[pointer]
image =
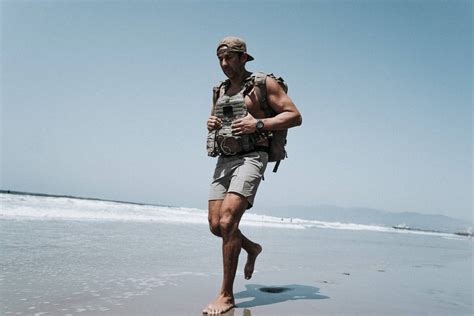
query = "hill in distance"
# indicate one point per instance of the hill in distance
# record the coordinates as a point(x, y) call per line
point(368, 216)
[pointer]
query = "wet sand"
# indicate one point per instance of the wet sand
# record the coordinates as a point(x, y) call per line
point(122, 268)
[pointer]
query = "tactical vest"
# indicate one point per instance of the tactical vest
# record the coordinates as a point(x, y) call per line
point(229, 109)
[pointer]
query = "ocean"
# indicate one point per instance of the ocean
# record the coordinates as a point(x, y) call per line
point(68, 256)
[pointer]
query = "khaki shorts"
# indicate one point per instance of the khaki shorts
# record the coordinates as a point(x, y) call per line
point(239, 174)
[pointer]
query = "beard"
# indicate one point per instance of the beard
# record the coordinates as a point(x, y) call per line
point(228, 72)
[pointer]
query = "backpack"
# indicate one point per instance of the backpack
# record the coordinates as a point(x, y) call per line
point(277, 139)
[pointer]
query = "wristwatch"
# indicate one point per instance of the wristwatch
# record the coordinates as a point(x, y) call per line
point(259, 125)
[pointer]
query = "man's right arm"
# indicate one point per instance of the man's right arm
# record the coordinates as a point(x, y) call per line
point(213, 123)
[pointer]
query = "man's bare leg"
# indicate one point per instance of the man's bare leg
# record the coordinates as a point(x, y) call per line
point(253, 249)
point(232, 209)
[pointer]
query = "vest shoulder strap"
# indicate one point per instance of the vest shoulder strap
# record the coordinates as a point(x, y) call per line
point(217, 91)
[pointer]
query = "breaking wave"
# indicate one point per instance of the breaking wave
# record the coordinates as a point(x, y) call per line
point(33, 207)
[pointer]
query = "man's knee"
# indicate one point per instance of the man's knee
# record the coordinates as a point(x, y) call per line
point(215, 227)
point(228, 224)
point(213, 216)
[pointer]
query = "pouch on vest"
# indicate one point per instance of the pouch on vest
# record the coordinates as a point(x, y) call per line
point(228, 109)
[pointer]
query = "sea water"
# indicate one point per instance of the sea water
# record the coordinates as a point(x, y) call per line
point(68, 257)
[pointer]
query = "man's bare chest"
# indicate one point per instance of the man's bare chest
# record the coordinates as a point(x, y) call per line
point(253, 105)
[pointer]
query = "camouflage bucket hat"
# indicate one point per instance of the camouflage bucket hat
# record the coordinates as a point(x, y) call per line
point(234, 44)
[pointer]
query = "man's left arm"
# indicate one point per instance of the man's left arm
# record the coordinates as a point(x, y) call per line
point(287, 114)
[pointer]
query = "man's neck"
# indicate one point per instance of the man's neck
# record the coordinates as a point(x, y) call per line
point(238, 80)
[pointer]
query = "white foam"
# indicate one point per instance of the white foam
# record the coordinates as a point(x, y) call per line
point(455, 237)
point(54, 208)
point(40, 207)
point(13, 206)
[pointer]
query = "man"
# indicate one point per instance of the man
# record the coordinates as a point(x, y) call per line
point(238, 173)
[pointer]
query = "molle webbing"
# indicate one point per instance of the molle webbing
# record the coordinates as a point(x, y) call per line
point(235, 102)
point(229, 108)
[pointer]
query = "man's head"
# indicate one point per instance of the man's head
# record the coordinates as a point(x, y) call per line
point(232, 54)
point(233, 44)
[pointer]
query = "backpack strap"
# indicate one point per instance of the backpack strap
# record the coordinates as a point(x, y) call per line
point(277, 164)
point(260, 84)
point(248, 85)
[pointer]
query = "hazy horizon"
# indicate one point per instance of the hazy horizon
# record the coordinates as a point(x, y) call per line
point(109, 99)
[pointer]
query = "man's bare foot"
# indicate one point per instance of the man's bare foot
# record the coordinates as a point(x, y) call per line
point(251, 257)
point(221, 305)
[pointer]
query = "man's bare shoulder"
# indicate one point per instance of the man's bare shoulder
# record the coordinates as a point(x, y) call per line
point(273, 87)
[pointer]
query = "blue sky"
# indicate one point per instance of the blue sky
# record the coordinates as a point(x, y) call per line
point(109, 99)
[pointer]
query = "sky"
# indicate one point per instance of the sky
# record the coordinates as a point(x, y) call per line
point(110, 99)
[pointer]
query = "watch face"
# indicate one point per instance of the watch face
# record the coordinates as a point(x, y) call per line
point(259, 124)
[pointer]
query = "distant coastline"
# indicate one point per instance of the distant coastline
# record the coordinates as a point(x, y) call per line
point(404, 227)
point(368, 216)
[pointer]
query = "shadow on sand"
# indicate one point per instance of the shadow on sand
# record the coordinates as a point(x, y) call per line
point(266, 295)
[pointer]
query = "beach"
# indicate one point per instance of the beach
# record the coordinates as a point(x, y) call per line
point(60, 265)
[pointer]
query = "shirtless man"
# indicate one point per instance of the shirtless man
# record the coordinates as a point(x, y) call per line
point(236, 177)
